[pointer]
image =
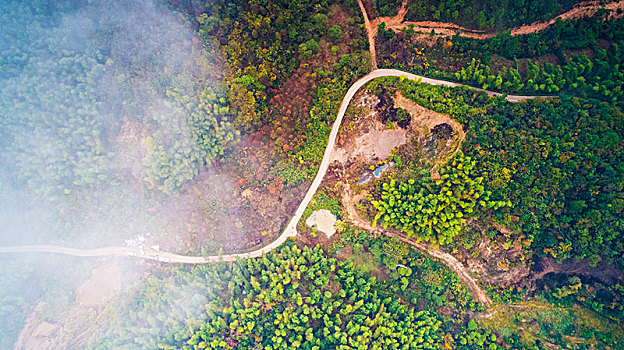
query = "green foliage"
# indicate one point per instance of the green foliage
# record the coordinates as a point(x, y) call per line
point(388, 113)
point(177, 151)
point(426, 283)
point(51, 123)
point(543, 156)
point(435, 212)
point(394, 251)
point(383, 32)
point(403, 271)
point(292, 174)
point(475, 338)
point(321, 22)
point(546, 148)
point(584, 59)
point(607, 300)
point(290, 298)
point(327, 99)
point(484, 14)
point(600, 77)
point(309, 48)
point(387, 7)
point(529, 325)
point(335, 34)
point(432, 285)
point(74, 98)
point(263, 45)
point(335, 50)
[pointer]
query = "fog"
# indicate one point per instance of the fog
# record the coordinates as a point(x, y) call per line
point(92, 101)
point(84, 86)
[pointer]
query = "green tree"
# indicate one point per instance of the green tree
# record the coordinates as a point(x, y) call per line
point(335, 34)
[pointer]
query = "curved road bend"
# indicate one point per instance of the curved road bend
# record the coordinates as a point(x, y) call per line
point(291, 228)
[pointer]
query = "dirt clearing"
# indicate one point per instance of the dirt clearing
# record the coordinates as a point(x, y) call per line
point(364, 136)
point(66, 327)
point(101, 287)
point(378, 142)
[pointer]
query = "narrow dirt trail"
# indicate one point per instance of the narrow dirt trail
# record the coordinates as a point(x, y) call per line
point(371, 36)
point(584, 9)
point(396, 23)
point(391, 21)
point(447, 259)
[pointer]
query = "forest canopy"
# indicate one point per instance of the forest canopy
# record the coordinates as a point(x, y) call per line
point(289, 298)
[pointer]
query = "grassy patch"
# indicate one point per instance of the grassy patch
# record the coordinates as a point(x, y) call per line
point(530, 323)
point(364, 261)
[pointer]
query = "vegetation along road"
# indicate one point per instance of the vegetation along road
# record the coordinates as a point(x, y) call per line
point(289, 231)
point(397, 23)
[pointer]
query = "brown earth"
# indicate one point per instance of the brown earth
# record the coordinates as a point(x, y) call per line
point(424, 120)
point(77, 323)
point(371, 32)
point(105, 280)
point(376, 144)
point(364, 136)
point(499, 259)
point(441, 29)
point(421, 117)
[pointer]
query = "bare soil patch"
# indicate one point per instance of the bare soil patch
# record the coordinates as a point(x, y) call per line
point(391, 21)
point(364, 136)
point(364, 139)
point(101, 287)
point(76, 324)
point(377, 143)
point(371, 32)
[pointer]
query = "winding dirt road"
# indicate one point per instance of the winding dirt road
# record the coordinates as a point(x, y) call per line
point(291, 228)
point(395, 23)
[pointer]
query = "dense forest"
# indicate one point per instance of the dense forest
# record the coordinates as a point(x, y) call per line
point(488, 14)
point(435, 212)
point(549, 170)
point(105, 124)
point(293, 298)
point(533, 160)
point(302, 297)
point(186, 118)
point(579, 57)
